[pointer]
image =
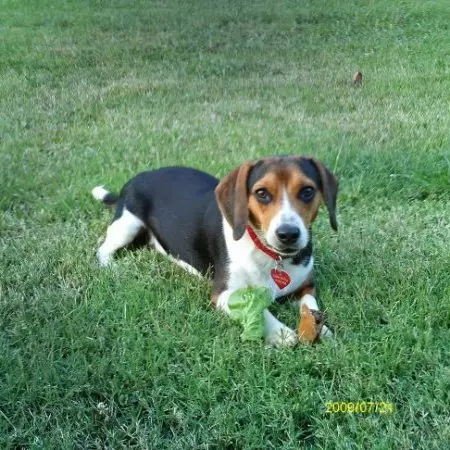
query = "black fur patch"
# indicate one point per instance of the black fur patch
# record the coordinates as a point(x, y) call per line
point(303, 257)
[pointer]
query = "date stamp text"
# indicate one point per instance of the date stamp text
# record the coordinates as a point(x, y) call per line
point(359, 407)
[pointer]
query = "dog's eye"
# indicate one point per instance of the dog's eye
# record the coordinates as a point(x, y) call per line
point(307, 194)
point(263, 196)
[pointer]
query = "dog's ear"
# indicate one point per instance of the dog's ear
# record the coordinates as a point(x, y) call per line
point(329, 188)
point(232, 198)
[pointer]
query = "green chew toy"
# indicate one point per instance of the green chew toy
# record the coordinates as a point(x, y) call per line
point(246, 306)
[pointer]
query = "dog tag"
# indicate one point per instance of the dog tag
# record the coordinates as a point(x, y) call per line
point(281, 278)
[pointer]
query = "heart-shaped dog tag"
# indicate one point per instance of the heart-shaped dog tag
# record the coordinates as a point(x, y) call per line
point(281, 278)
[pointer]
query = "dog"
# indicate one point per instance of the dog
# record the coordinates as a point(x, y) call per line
point(252, 228)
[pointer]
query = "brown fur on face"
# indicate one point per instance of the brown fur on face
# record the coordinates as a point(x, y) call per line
point(236, 192)
point(277, 180)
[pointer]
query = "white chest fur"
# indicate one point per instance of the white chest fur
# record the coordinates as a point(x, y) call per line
point(249, 266)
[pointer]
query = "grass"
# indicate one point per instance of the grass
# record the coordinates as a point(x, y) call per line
point(133, 357)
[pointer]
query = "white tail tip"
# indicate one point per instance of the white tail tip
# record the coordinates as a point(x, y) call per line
point(99, 193)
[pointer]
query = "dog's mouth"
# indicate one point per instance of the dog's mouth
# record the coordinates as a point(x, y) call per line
point(282, 251)
point(286, 251)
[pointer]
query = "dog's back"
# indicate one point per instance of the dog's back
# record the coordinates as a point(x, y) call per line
point(177, 206)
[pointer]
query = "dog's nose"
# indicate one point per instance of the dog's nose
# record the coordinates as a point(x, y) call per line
point(288, 234)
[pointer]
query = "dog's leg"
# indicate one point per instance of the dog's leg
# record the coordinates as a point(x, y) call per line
point(120, 233)
point(276, 333)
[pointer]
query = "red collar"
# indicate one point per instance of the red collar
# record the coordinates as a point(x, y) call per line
point(261, 246)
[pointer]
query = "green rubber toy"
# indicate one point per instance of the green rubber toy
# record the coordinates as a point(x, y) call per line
point(246, 306)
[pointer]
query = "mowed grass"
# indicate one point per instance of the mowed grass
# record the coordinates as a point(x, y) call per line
point(133, 356)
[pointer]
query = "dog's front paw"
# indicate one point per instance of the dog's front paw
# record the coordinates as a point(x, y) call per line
point(282, 337)
point(326, 333)
point(103, 258)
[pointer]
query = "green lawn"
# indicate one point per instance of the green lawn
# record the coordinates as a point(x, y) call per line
point(92, 92)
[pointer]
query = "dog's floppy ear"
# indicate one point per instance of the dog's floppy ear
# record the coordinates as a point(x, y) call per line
point(232, 198)
point(329, 187)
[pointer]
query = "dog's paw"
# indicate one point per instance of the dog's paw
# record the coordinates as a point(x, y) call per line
point(282, 337)
point(103, 258)
point(326, 333)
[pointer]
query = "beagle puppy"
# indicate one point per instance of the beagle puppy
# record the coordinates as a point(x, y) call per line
point(252, 228)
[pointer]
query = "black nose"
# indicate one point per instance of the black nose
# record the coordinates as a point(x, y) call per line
point(288, 234)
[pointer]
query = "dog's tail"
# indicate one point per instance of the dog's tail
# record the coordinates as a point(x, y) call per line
point(101, 194)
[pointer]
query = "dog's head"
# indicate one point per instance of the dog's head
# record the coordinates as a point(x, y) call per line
point(279, 197)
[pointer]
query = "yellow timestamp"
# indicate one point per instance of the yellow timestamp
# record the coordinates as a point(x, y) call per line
point(359, 407)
